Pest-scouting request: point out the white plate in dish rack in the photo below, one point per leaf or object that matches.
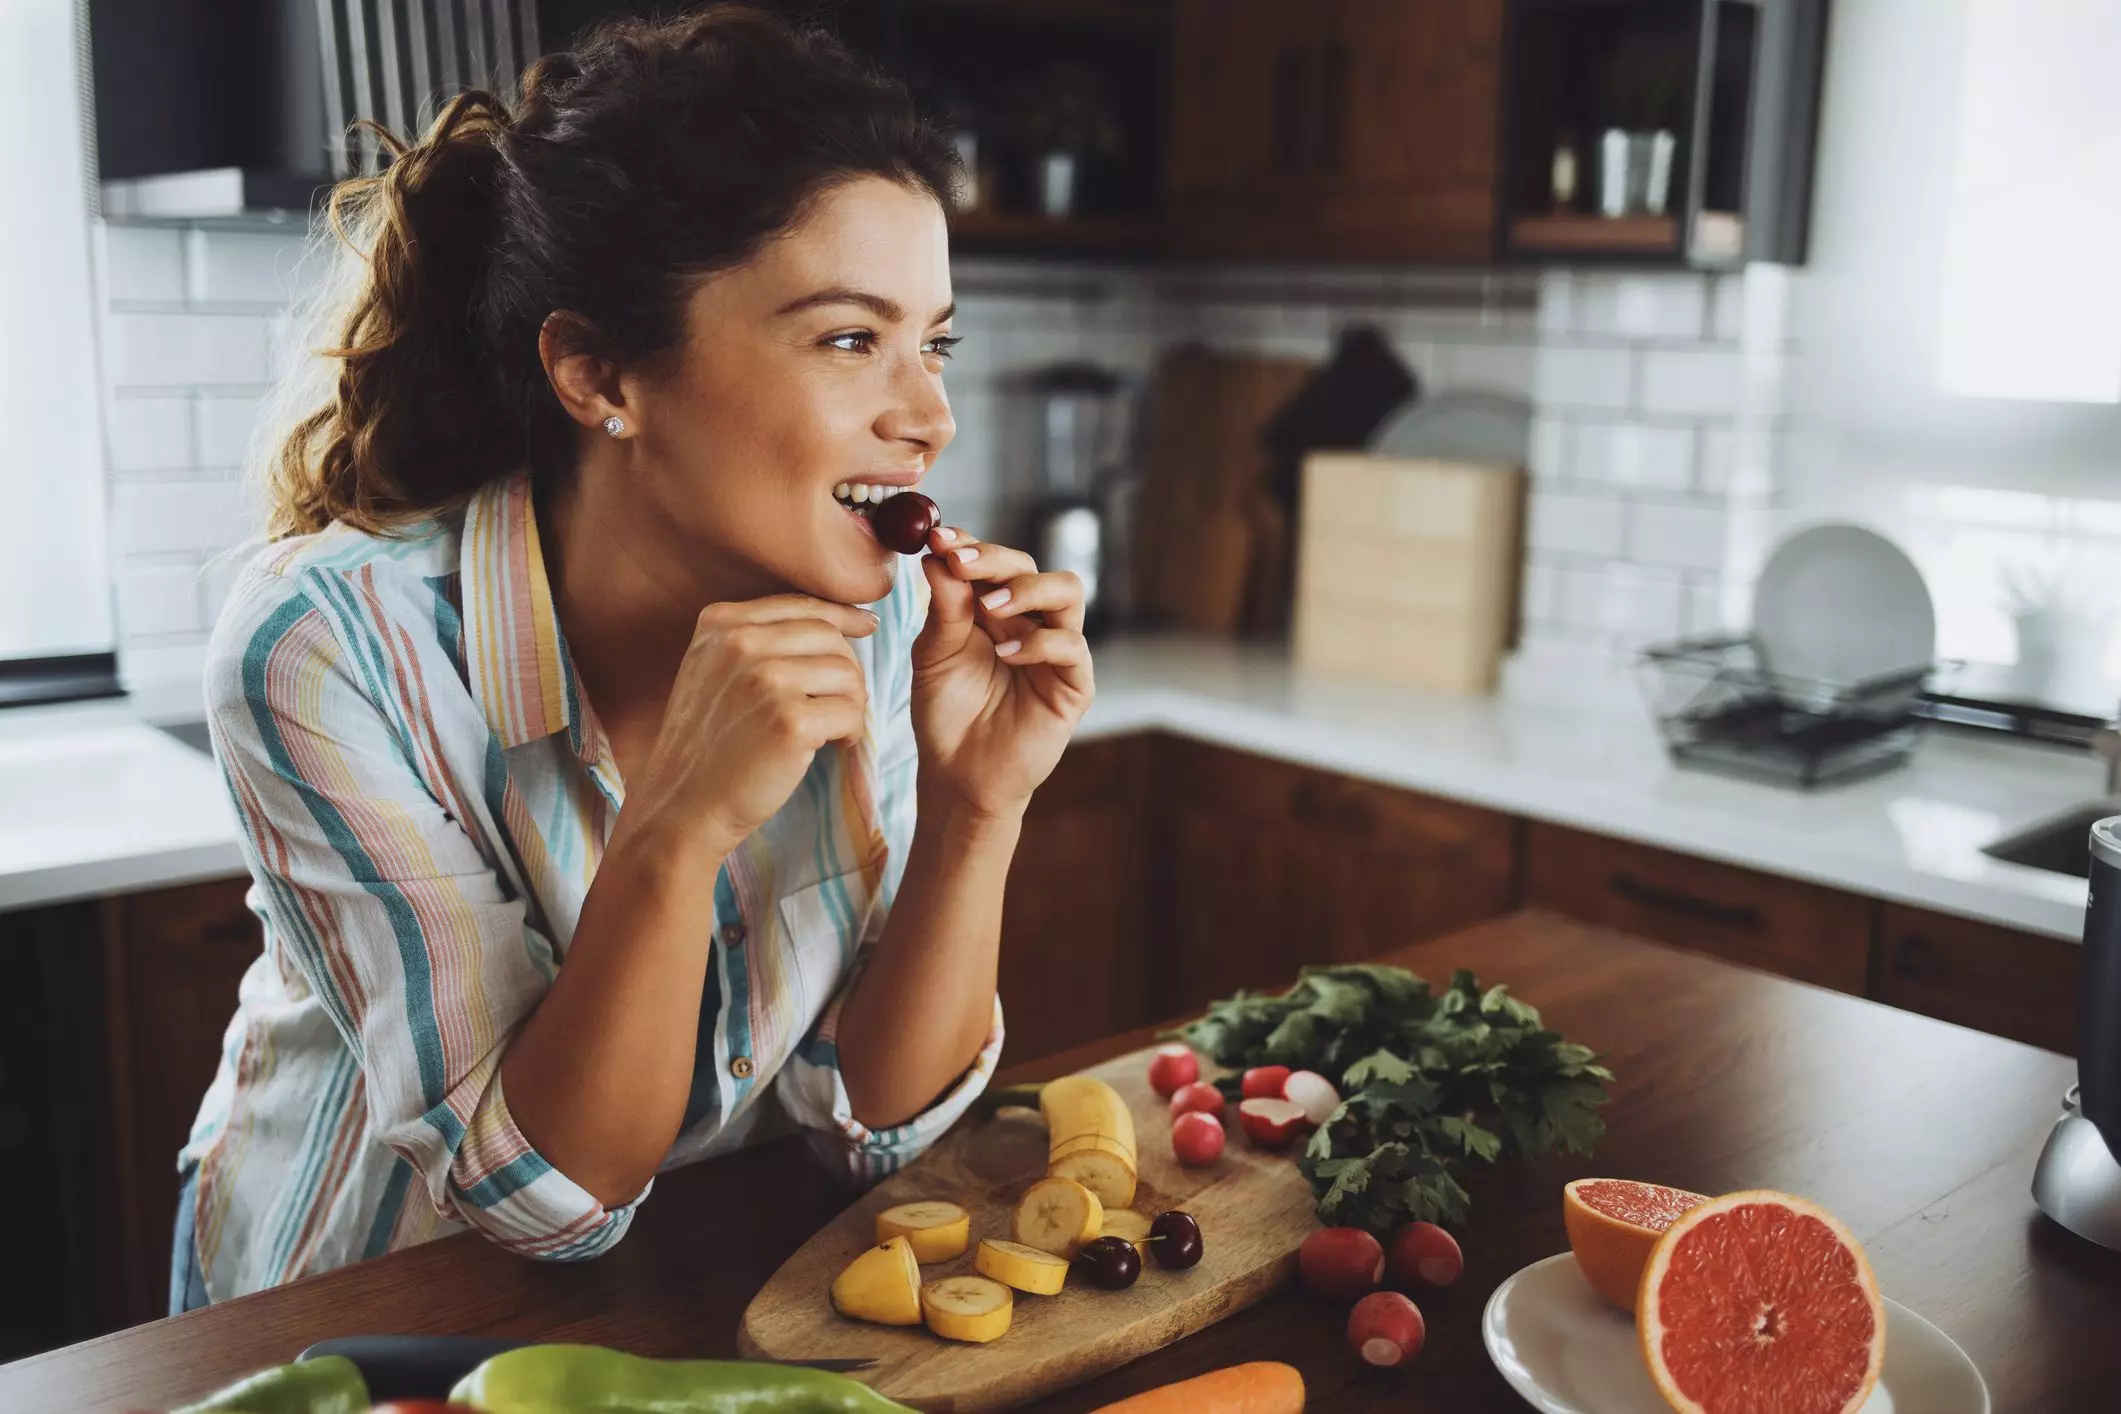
(1567, 1352)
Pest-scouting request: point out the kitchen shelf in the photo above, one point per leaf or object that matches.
(1647, 234)
(1016, 230)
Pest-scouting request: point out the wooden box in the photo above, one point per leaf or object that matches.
(1407, 569)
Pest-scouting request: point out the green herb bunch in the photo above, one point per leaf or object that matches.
(1430, 1083)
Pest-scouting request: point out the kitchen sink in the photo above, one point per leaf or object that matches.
(2061, 845)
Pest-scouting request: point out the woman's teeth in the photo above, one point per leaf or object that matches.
(856, 493)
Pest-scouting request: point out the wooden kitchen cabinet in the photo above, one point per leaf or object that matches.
(1993, 979)
(172, 959)
(1341, 130)
(1071, 956)
(1266, 868)
(1780, 925)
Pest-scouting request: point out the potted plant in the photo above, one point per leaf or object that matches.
(1642, 83)
(1064, 119)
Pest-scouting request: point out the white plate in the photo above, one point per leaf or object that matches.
(1567, 1352)
(1838, 604)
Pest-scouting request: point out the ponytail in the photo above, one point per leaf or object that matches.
(411, 423)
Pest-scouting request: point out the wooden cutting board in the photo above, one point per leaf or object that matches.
(1254, 1210)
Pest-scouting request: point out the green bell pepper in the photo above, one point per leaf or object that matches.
(331, 1384)
(589, 1379)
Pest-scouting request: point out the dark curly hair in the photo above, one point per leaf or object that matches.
(645, 156)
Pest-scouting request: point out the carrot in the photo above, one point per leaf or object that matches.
(1263, 1387)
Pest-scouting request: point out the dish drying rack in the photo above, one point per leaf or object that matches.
(1719, 706)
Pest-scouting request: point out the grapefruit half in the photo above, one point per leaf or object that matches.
(1613, 1223)
(1758, 1301)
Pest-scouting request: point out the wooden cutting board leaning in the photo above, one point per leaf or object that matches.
(1254, 1210)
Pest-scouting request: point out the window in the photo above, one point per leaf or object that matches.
(54, 586)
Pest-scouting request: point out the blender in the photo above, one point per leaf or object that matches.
(2078, 1179)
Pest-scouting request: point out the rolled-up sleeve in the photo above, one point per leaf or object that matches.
(810, 1085)
(413, 944)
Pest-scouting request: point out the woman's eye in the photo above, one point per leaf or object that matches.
(860, 339)
(942, 344)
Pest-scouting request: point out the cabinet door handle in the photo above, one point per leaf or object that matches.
(1333, 68)
(1290, 74)
(1663, 900)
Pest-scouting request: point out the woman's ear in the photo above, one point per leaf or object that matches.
(589, 387)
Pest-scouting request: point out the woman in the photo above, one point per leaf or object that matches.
(594, 830)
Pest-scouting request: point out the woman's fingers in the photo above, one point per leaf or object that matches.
(1057, 594)
(849, 621)
(1053, 647)
(971, 559)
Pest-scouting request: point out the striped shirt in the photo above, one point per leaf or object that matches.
(425, 795)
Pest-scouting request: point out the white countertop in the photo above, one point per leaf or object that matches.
(92, 801)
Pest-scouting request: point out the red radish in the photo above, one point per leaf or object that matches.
(1197, 1139)
(1386, 1329)
(1198, 1096)
(1340, 1262)
(1424, 1254)
(1314, 1092)
(1171, 1068)
(1272, 1124)
(1265, 1082)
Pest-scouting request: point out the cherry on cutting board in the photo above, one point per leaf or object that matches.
(903, 522)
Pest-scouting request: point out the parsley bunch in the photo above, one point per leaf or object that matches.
(1431, 1083)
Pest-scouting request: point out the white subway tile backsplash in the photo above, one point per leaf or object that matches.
(1692, 382)
(239, 267)
(225, 427)
(1642, 306)
(1639, 606)
(1576, 524)
(1538, 604)
(167, 679)
(144, 264)
(1678, 535)
(159, 599)
(157, 517)
(1557, 301)
(149, 434)
(1727, 309)
(1630, 454)
(1740, 459)
(1582, 378)
(1493, 368)
(1549, 453)
(186, 350)
(1704, 607)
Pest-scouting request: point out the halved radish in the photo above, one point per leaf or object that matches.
(1314, 1092)
(1272, 1124)
(1386, 1329)
(1265, 1082)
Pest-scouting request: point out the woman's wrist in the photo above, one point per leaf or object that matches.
(958, 825)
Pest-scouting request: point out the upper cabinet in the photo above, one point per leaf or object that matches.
(1670, 132)
(1342, 130)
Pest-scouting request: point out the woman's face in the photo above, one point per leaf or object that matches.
(817, 365)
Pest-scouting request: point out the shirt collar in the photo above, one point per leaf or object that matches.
(517, 660)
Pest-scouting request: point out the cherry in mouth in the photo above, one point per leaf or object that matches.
(903, 522)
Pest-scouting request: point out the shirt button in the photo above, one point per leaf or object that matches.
(740, 1067)
(733, 935)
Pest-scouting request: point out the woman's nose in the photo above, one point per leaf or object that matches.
(919, 411)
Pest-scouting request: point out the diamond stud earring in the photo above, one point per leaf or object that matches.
(615, 426)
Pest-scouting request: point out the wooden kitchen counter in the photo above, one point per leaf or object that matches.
(1921, 1136)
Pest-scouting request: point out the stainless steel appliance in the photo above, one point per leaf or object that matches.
(1082, 506)
(2078, 1179)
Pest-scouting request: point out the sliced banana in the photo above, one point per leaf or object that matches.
(938, 1231)
(1125, 1222)
(881, 1285)
(1057, 1215)
(967, 1308)
(1025, 1268)
(1109, 1176)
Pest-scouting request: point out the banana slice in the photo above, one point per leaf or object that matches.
(1025, 1268)
(1109, 1176)
(881, 1285)
(938, 1231)
(1057, 1215)
(967, 1308)
(1125, 1222)
(1082, 1142)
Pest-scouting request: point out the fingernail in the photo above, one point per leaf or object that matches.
(873, 618)
(968, 554)
(944, 532)
(995, 600)
(1008, 648)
